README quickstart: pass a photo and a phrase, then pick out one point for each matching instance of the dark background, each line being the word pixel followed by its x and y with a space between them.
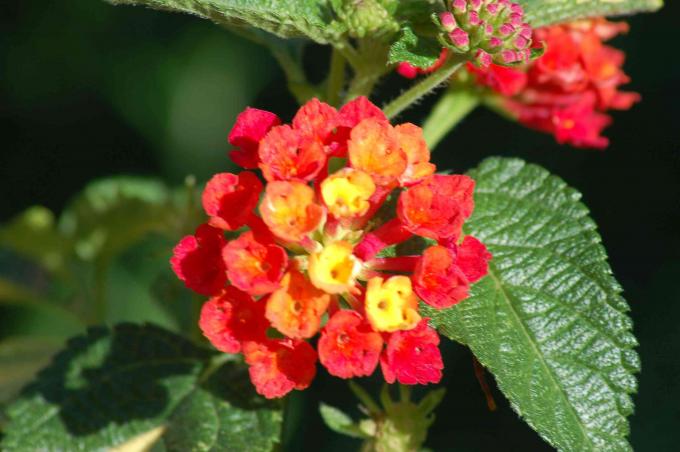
pixel 88 90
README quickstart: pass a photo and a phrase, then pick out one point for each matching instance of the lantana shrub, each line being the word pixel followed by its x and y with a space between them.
pixel 334 244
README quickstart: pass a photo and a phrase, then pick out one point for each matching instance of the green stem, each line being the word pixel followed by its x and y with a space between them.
pixel 420 89
pixel 336 78
pixel 449 110
pixel 361 85
pixel 295 76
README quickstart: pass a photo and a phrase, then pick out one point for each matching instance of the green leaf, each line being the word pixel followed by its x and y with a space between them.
pixel 546 12
pixel 285 18
pixel 419 51
pixel 112 385
pixel 549 320
pixel 340 422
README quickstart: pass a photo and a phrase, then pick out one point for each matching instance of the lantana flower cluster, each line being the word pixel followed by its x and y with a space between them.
pixel 302 268
pixel 567 91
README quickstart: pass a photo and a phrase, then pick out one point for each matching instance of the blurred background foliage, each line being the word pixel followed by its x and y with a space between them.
pixel 146 99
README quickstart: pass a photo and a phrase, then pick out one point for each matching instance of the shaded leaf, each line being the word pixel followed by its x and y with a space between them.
pixel 548 321
pixel 285 18
pixel 111 385
pixel 340 422
pixel 546 12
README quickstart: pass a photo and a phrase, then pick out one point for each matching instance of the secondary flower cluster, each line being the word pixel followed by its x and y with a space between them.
pixel 568 89
pixel 313 249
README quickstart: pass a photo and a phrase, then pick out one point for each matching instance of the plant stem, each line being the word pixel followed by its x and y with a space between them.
pixel 420 89
pixel 295 76
pixel 449 110
pixel 336 78
pixel 361 85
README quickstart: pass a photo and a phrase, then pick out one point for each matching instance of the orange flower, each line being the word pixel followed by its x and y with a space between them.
pixel 374 148
pixel 290 211
pixel 296 308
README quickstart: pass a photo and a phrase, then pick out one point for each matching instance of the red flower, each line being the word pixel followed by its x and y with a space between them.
pixel 443 275
pixel 348 346
pixel 567 90
pixel 279 366
pixel 287 154
pixel 412 356
pixel 231 318
pixel 316 120
pixel 437 207
pixel 504 80
pixel 438 280
pixel 197 261
pixel 254 267
pixel 229 199
pixel 251 126
pixel 473 258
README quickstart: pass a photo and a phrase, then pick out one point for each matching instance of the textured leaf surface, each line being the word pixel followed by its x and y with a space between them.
pixel 548 321
pixel 285 18
pixel 421 52
pixel 111 385
pixel 545 12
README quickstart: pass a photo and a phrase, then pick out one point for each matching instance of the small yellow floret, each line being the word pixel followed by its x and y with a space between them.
pixel 334 269
pixel 391 305
pixel 346 193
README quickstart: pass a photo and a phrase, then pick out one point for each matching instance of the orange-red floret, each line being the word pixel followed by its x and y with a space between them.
pixel 374 148
pixel 277 367
pixel 254 267
pixel 250 127
pixel 316 119
pixel 438 280
pixel 437 207
pixel 287 154
pixel 348 346
pixel 196 260
pixel 297 307
pixel 412 356
pixel 229 199
pixel 473 258
pixel 412 142
pixel 290 210
pixel 231 318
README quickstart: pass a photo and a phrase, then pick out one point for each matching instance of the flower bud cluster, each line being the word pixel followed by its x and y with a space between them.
pixel 489 31
pixel 311 250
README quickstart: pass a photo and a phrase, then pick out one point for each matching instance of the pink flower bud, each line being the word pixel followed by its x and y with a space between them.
pixel 459 37
pixel 525 31
pixel 482 58
pixel 506 30
pixel 510 56
pixel 495 42
pixel 448 21
pixel 521 42
pixel 459 6
pixel 516 19
pixel 516 8
pixel 473 18
pixel 476 4
pixel 492 9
